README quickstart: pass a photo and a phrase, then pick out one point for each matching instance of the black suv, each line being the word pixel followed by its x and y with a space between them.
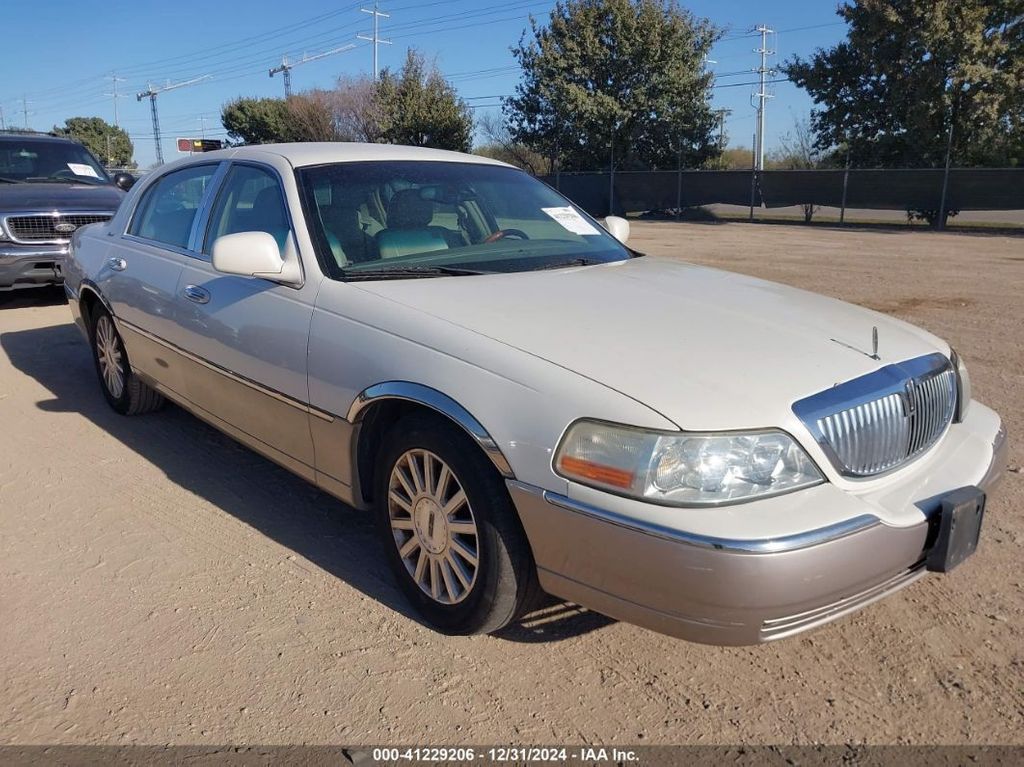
pixel 49 186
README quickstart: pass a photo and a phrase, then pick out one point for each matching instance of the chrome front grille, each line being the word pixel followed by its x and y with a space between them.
pixel 878 422
pixel 47 227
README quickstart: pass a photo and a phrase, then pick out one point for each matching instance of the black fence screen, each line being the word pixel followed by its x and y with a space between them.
pixel 912 189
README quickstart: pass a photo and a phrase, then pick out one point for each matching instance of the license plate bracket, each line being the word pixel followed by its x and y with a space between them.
pixel 959 527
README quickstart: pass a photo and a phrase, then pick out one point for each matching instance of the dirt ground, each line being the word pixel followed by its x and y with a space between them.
pixel 160 584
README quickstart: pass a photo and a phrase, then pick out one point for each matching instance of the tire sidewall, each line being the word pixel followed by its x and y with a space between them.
pixel 483 490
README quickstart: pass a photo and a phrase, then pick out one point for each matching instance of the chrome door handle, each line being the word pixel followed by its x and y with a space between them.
pixel 117 264
pixel 197 294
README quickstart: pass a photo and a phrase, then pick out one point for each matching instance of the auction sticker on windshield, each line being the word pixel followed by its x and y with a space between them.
pixel 81 169
pixel 570 219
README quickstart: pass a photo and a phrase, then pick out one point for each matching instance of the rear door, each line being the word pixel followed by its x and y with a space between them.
pixel 140 275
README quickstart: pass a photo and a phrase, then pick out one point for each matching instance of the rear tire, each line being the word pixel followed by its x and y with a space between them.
pixel 123 390
pixel 450 532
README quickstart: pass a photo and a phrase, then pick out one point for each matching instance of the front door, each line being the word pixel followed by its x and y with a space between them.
pixel 247 337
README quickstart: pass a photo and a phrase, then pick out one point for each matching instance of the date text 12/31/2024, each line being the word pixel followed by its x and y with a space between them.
pixel 500 754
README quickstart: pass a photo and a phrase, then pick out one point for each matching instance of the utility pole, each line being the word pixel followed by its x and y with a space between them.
pixel 151 93
pixel 115 80
pixel 722 114
pixel 3 124
pixel 762 95
pixel 376 39
pixel 286 67
pixel 24 109
pixel 202 124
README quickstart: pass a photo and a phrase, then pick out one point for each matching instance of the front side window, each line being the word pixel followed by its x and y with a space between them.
pixel 372 220
pixel 35 161
pixel 250 200
pixel 168 208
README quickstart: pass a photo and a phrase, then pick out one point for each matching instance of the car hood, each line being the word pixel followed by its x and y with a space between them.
pixel 15 198
pixel 708 349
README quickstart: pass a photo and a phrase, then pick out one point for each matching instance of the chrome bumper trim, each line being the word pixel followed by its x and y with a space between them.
pixel 783 543
pixel 997 469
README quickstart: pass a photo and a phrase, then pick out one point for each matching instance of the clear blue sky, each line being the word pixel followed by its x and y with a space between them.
pixel 60 55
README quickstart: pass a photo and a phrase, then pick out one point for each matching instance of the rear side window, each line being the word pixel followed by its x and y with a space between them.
pixel 168 208
pixel 250 200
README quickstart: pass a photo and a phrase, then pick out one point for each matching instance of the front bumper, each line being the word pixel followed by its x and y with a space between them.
pixel 25 266
pixel 720 591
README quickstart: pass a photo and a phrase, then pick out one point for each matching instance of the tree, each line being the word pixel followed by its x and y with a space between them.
pixel 912 70
pixel 501 146
pixel 734 158
pixel 418 107
pixel 257 121
pixel 618 82
pixel 797 151
pixel 356 111
pixel 310 117
pixel 109 143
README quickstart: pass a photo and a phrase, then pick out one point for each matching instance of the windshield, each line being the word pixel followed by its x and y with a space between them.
pixel 34 160
pixel 375 220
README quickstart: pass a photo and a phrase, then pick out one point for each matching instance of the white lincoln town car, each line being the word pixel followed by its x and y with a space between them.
pixel 525 404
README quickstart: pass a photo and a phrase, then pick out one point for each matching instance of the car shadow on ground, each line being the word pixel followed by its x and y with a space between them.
pixel 335 537
pixel 26 297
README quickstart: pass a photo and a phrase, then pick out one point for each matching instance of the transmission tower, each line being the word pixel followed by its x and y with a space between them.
pixel 286 66
pixel 376 39
pixel 151 93
pixel 762 95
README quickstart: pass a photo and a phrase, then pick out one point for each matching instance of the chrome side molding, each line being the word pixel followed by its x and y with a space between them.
pixel 435 400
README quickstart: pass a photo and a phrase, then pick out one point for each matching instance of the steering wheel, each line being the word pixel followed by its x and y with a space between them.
pixel 503 233
pixel 63 173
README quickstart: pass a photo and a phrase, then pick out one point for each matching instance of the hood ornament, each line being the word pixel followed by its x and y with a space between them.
pixel 874 344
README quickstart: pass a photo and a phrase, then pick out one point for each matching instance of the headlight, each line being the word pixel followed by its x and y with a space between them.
pixel 963 386
pixel 683 469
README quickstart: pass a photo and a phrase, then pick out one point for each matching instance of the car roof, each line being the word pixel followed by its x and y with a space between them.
pixel 320 153
pixel 22 135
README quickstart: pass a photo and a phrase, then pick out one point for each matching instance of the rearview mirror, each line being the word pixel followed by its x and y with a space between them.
pixel 617 228
pixel 124 181
pixel 249 254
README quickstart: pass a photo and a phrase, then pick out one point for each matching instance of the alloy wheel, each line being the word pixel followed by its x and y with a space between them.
pixel 433 526
pixel 110 356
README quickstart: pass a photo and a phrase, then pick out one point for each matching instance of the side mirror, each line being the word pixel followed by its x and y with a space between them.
pixel 248 254
pixel 124 181
pixel 617 228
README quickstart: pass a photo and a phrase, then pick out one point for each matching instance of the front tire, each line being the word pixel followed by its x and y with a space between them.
pixel 123 390
pixel 452 536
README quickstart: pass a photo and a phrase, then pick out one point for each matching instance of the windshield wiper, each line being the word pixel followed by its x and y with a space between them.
pixel 566 264
pixel 6 180
pixel 405 272
pixel 87 180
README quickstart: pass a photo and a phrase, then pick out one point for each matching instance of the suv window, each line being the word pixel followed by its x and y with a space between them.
pixel 169 207
pixel 250 200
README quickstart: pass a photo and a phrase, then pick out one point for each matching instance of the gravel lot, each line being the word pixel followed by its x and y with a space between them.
pixel 160 584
